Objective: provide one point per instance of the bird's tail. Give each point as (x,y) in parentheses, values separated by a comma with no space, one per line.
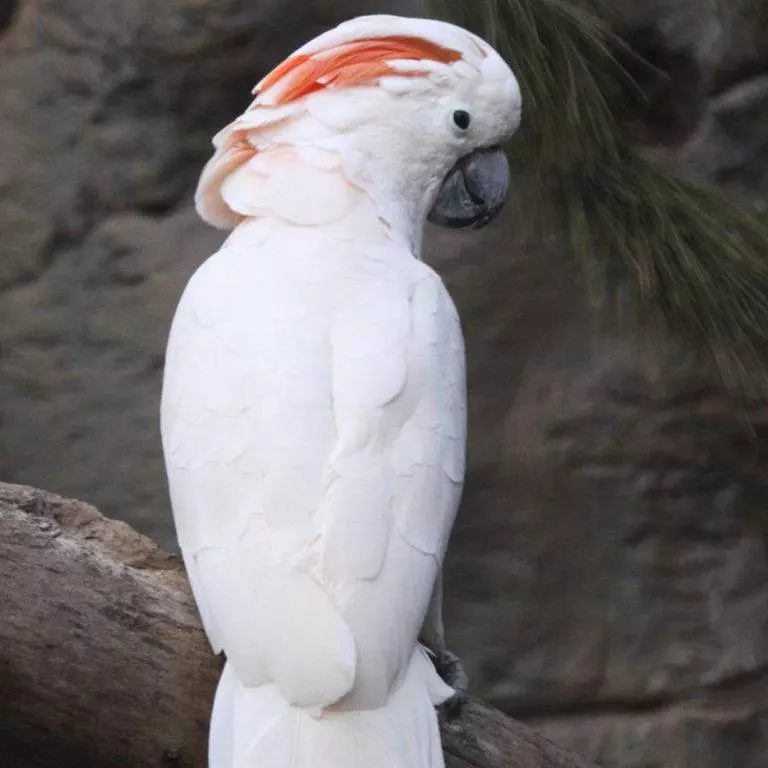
(257,728)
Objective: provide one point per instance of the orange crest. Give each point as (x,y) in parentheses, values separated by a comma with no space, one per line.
(356,63)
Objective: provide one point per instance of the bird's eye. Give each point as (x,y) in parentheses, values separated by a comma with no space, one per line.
(461,119)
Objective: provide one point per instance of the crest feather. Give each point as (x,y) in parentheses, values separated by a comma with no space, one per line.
(359,62)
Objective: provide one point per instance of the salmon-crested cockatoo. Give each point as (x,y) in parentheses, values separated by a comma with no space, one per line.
(313,410)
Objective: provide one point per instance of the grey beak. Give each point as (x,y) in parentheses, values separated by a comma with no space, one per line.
(474,191)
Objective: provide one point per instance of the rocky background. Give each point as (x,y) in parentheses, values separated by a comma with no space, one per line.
(608,578)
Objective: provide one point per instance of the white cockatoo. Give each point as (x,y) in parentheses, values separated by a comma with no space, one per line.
(313,409)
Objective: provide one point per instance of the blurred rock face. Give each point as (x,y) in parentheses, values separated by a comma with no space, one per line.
(608,577)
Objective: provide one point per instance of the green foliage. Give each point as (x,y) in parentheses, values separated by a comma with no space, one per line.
(664,249)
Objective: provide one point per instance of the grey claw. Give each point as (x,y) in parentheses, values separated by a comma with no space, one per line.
(450,670)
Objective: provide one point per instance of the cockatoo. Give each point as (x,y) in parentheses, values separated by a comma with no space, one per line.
(313,407)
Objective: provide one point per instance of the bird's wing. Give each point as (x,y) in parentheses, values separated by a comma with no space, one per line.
(429,454)
(247,428)
(399,389)
(397,468)
(301,426)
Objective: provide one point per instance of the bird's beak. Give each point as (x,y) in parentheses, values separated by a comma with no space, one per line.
(474,191)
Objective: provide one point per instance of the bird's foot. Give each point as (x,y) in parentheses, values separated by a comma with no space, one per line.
(450,670)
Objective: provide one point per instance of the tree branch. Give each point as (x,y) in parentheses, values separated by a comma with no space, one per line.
(103,661)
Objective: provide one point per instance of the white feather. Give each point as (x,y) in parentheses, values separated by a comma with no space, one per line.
(321,159)
(284,405)
(256,117)
(402,735)
(464,69)
(402,85)
(407,66)
(293,191)
(302,129)
(345,114)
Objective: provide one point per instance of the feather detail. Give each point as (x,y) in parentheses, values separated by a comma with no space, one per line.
(376,27)
(228,158)
(356,63)
(289,189)
(403,733)
(257,117)
(316,157)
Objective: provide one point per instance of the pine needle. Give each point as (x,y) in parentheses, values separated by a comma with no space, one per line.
(661,250)
(670,251)
(562,57)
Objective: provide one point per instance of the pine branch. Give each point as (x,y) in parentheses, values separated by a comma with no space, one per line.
(665,251)
(562,56)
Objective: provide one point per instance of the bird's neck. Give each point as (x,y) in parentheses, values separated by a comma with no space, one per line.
(349,198)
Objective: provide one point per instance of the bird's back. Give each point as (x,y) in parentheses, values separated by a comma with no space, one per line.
(313,421)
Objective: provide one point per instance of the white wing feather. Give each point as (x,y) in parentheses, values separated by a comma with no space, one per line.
(313,426)
(246,438)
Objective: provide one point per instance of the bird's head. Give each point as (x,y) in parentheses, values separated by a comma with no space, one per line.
(415,111)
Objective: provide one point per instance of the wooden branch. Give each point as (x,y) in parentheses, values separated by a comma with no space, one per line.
(103,661)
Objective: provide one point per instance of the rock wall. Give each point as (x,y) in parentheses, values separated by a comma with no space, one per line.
(608,578)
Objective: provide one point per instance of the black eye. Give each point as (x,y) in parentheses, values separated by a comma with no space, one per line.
(462,119)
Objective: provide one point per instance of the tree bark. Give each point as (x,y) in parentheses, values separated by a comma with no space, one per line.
(103,661)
